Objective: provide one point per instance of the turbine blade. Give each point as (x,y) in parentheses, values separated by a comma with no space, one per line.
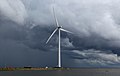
(51,35)
(56,20)
(65,30)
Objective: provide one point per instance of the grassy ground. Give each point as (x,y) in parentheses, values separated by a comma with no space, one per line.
(29,68)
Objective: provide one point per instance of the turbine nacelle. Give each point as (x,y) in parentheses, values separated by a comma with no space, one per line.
(59,27)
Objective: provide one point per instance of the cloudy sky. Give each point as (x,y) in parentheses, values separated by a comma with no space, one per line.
(25,25)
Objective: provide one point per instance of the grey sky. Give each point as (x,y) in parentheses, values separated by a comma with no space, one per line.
(25,25)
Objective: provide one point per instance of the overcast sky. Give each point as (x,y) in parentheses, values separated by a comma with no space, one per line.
(25,25)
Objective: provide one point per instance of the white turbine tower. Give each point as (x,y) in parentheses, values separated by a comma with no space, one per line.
(59,29)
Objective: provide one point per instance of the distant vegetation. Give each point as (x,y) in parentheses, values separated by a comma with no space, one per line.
(7,69)
(30,68)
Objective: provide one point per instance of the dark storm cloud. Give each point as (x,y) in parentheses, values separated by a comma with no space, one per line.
(16,48)
(20,46)
(97,57)
(95,24)
(87,19)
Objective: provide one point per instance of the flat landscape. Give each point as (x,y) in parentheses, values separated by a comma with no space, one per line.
(59,37)
(63,72)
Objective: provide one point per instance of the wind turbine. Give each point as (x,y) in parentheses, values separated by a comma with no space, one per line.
(59,29)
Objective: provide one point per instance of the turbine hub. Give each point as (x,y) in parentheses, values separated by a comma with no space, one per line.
(59,27)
